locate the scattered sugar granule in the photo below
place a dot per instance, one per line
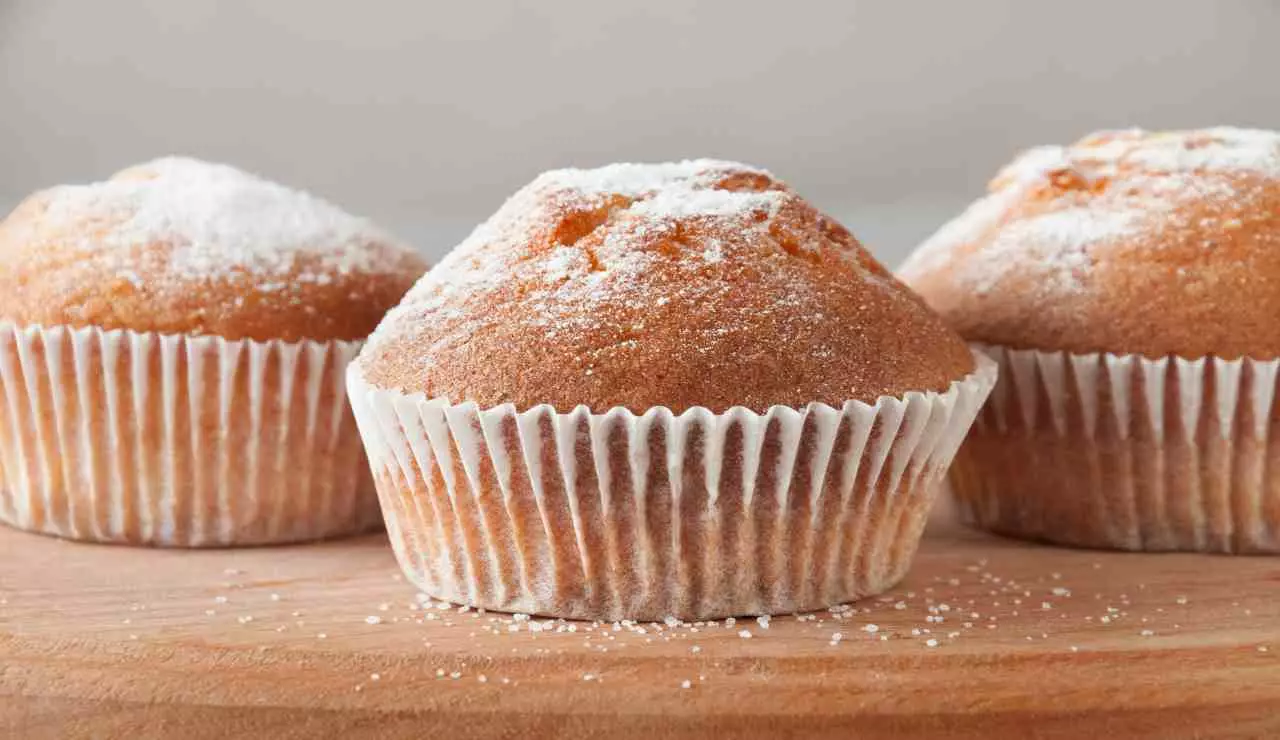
(931, 642)
(686, 684)
(1181, 600)
(872, 628)
(744, 634)
(375, 676)
(373, 619)
(763, 621)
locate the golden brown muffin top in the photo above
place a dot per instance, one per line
(180, 246)
(698, 283)
(1127, 242)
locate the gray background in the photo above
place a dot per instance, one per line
(424, 116)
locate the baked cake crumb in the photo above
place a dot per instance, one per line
(697, 283)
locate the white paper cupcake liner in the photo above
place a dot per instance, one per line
(175, 440)
(1121, 451)
(619, 515)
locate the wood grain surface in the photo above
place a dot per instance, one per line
(327, 640)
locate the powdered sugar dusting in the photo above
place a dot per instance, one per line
(633, 180)
(652, 200)
(219, 221)
(584, 284)
(1219, 149)
(711, 203)
(1056, 244)
(1111, 153)
(982, 215)
(1051, 209)
(1032, 165)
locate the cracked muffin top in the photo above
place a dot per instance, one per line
(181, 246)
(692, 284)
(1134, 242)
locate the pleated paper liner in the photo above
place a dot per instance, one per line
(619, 515)
(1121, 451)
(174, 440)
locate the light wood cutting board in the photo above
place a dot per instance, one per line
(321, 640)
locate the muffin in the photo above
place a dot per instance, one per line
(172, 351)
(646, 391)
(1128, 285)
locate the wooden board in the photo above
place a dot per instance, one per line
(327, 639)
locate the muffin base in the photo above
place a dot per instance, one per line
(176, 440)
(1124, 452)
(623, 516)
